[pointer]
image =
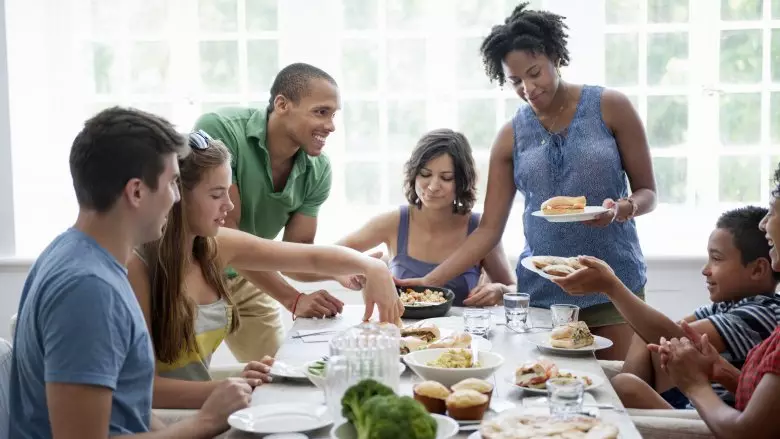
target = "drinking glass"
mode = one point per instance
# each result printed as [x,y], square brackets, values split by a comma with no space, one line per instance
[516,309]
[476,321]
[365,351]
[565,396]
[563,314]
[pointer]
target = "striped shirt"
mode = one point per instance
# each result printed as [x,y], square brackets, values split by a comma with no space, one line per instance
[742,324]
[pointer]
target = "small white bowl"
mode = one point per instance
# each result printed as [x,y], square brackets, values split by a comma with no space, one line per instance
[418,362]
[446,428]
[319,380]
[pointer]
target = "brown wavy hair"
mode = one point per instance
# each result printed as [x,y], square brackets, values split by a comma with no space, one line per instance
[433,144]
[172,311]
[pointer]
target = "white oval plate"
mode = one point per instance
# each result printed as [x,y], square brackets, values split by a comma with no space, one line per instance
[596,380]
[449,325]
[528,263]
[280,418]
[544,410]
[446,428]
[542,341]
[590,213]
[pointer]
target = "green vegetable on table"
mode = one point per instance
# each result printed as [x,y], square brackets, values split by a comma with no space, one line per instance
[317,368]
[377,412]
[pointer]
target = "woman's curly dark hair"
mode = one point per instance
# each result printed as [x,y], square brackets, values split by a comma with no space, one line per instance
[540,32]
[434,144]
[776,190]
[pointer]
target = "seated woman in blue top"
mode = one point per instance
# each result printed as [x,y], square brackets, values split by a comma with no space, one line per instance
[440,185]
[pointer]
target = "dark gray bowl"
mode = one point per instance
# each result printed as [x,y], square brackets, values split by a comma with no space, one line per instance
[428,312]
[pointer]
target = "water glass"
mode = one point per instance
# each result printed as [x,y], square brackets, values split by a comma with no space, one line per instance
[476,321]
[563,314]
[516,309]
[565,396]
[364,351]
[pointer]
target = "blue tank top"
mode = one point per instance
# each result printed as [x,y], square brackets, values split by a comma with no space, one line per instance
[582,160]
[405,267]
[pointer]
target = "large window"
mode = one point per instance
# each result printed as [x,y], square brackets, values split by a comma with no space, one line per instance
[702,75]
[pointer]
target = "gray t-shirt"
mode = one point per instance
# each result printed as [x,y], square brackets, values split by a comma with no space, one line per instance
[80,323]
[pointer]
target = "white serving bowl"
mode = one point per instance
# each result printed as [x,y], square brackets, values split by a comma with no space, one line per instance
[446,428]
[418,362]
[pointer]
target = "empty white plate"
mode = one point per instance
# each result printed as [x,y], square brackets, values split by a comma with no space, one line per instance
[280,418]
[590,213]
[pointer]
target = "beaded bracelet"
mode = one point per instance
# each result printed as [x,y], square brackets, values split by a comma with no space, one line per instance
[634,208]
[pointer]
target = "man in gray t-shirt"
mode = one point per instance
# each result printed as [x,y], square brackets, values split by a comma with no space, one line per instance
[83,364]
[80,323]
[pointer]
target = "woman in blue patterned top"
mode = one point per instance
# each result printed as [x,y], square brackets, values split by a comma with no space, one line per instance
[569,140]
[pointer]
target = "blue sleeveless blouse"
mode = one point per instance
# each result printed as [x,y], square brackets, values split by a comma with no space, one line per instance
[405,267]
[582,160]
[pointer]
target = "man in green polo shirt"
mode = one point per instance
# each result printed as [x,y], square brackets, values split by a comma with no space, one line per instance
[280,180]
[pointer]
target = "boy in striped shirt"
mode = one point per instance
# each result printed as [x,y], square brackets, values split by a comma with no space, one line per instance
[744,312]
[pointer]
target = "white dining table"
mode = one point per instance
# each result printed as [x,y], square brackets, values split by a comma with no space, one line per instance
[513,346]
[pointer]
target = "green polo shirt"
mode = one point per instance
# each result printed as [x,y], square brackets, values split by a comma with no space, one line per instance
[264,213]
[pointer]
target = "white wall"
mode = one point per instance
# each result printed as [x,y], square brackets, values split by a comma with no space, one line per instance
[675,287]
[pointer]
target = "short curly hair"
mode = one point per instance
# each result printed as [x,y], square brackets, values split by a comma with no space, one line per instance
[539,32]
[433,144]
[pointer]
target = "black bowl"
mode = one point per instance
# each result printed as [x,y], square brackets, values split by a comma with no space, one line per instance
[428,312]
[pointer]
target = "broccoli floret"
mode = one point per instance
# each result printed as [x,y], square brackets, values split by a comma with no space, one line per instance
[393,417]
[354,398]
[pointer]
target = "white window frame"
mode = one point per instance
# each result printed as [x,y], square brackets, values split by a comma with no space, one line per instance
[48,89]
[7,228]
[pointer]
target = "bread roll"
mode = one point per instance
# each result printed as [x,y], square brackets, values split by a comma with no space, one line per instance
[571,336]
[559,270]
[562,205]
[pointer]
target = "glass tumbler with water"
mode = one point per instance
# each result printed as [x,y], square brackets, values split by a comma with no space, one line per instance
[516,309]
[477,321]
[565,396]
[364,351]
[563,314]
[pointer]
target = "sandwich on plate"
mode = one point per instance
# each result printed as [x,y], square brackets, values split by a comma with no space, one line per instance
[417,337]
[573,335]
[559,270]
[411,344]
[564,205]
[535,374]
[425,333]
[542,262]
[460,340]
